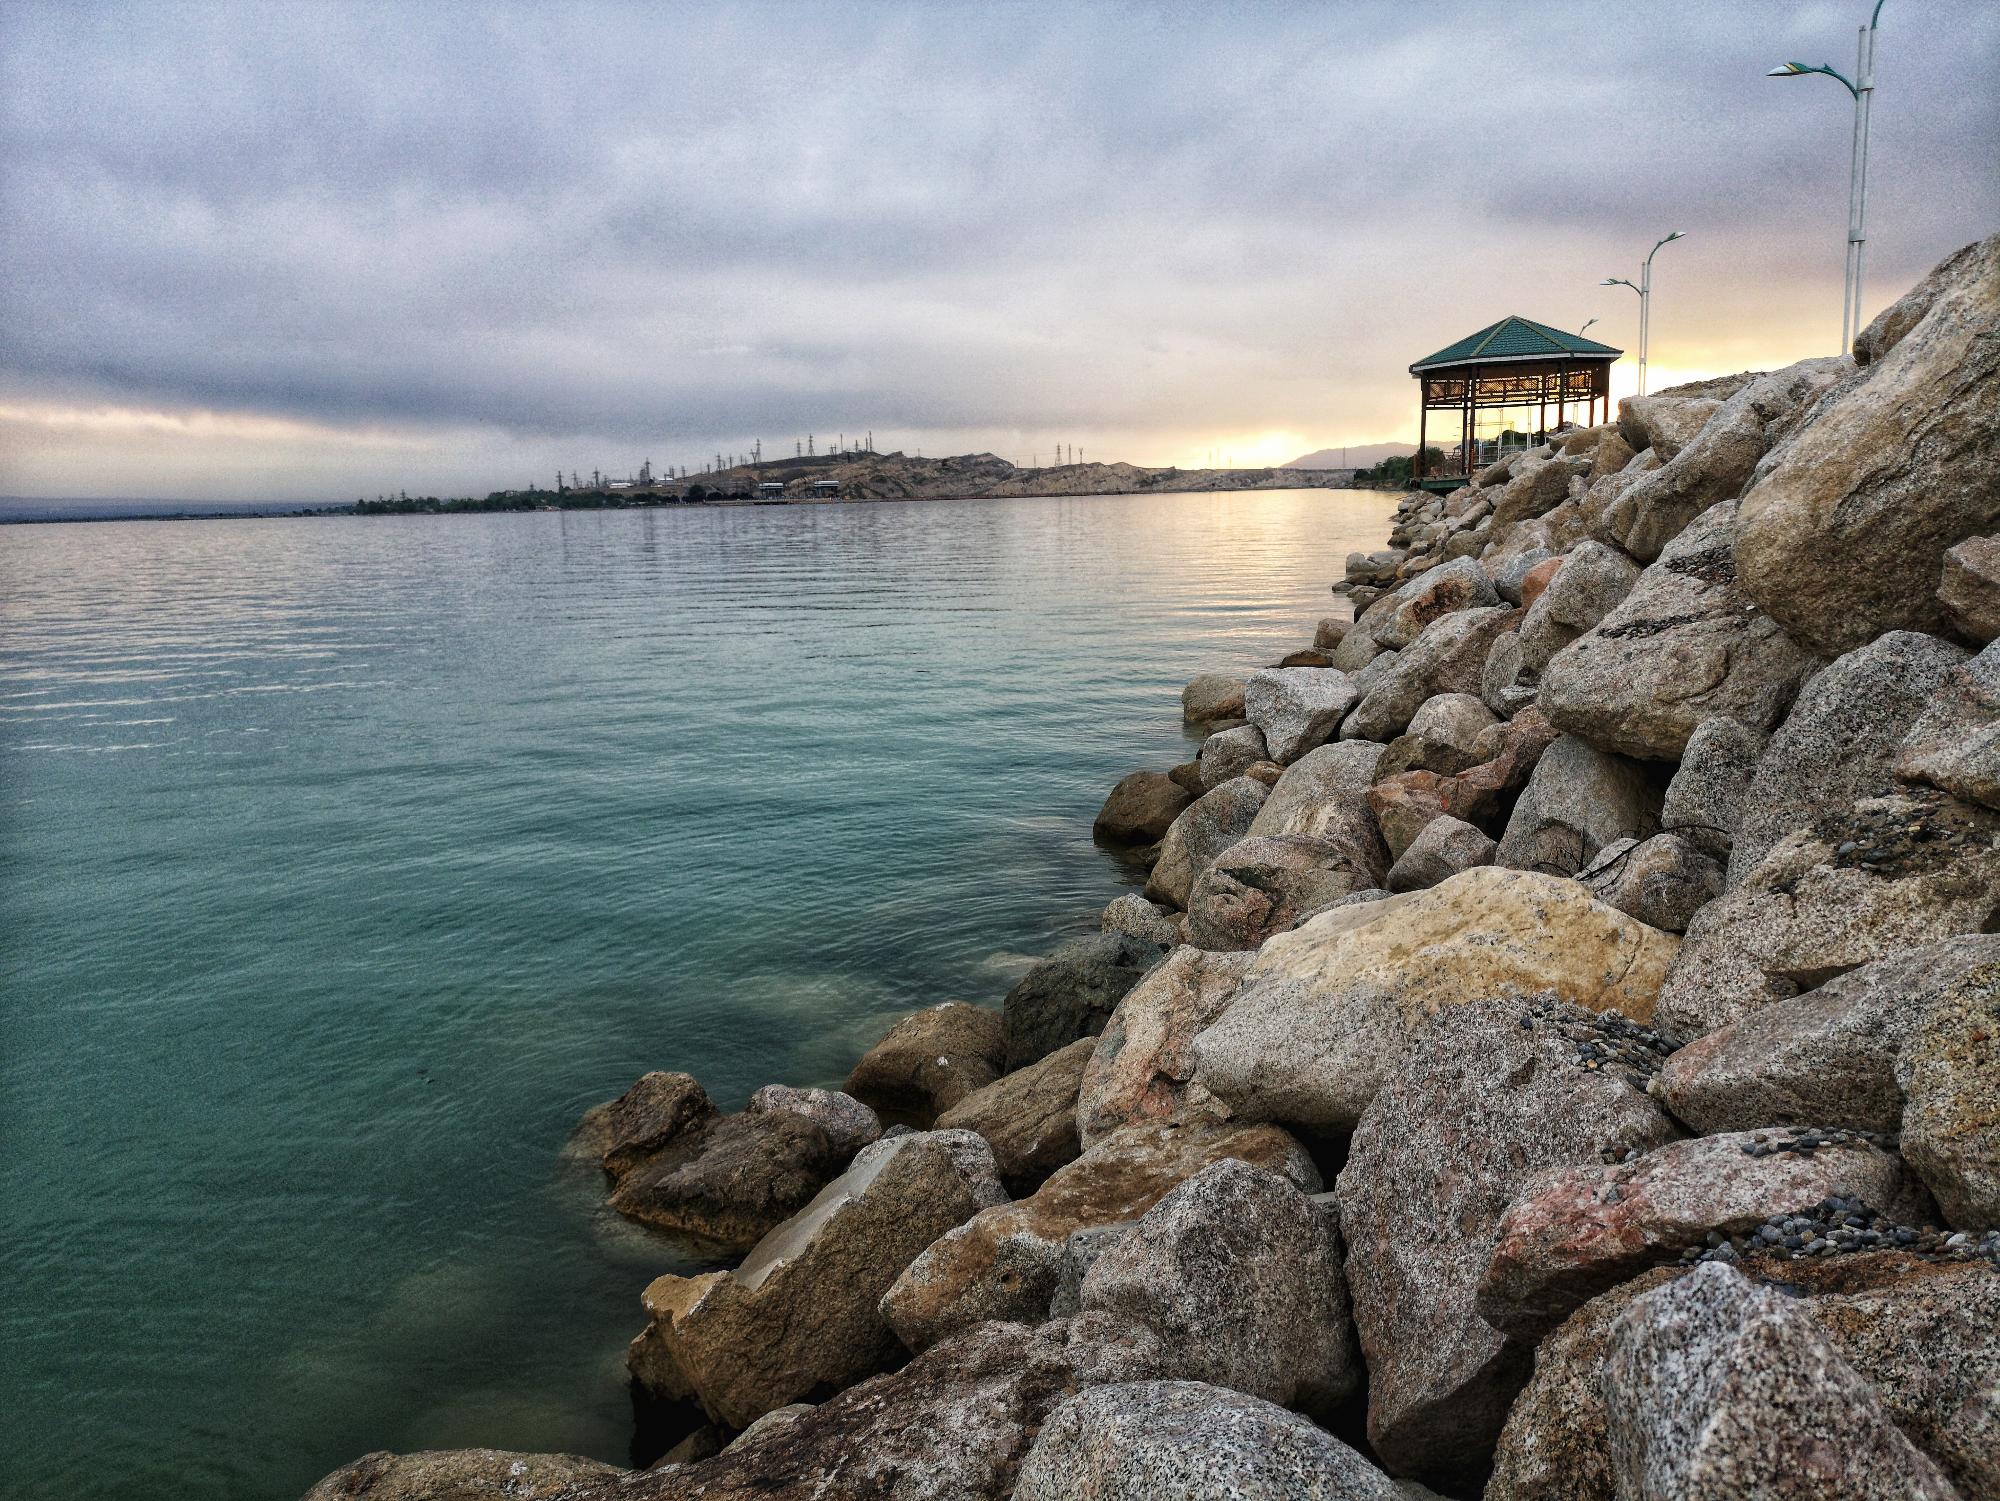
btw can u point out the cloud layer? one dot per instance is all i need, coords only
(448, 248)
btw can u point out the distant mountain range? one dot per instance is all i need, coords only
(1362, 456)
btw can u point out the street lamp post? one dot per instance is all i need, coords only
(1862, 87)
(1585, 329)
(1644, 287)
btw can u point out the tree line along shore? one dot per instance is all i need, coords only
(1555, 1054)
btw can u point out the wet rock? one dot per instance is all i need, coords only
(1297, 707)
(1714, 465)
(1142, 1070)
(1187, 776)
(1322, 794)
(1828, 1057)
(1140, 808)
(459, 1475)
(1071, 993)
(1663, 881)
(1448, 657)
(1885, 874)
(657, 1111)
(1578, 800)
(1133, 915)
(1955, 743)
(1591, 582)
(1329, 1011)
(1718, 1387)
(1684, 645)
(1443, 848)
(731, 1185)
(1260, 886)
(1949, 1074)
(1210, 696)
(1705, 800)
(1398, 619)
(955, 1422)
(1005, 1262)
(1028, 1117)
(1500, 1092)
(1186, 1441)
(799, 1315)
(1840, 741)
(1356, 650)
(1969, 588)
(1239, 1273)
(930, 1060)
(1583, 1229)
(1210, 825)
(1846, 526)
(1226, 754)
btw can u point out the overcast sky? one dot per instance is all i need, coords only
(311, 252)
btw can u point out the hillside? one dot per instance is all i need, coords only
(899, 476)
(1355, 456)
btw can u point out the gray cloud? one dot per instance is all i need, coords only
(694, 225)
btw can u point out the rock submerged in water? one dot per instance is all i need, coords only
(930, 1060)
(460, 1475)
(1071, 994)
(1141, 808)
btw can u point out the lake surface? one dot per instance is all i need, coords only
(344, 863)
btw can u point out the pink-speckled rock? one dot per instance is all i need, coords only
(1579, 1230)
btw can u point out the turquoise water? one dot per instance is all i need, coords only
(346, 862)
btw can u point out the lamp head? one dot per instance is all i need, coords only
(1788, 70)
(1678, 234)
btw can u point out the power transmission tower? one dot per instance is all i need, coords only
(809, 444)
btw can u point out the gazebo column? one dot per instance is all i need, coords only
(1423, 413)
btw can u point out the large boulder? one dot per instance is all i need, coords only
(1186, 1441)
(1955, 743)
(1212, 823)
(850, 1124)
(1714, 464)
(1448, 657)
(1684, 645)
(1949, 1073)
(1398, 619)
(954, 1423)
(1590, 584)
(1226, 754)
(1444, 736)
(1537, 485)
(1443, 848)
(1583, 1229)
(1072, 993)
(1260, 886)
(658, 1110)
(1142, 1070)
(459, 1475)
(1028, 1117)
(1329, 1012)
(1663, 881)
(800, 1314)
(1920, 1330)
(1840, 741)
(1969, 588)
(1005, 1262)
(1719, 1388)
(1885, 874)
(1140, 808)
(1664, 423)
(1297, 707)
(1322, 793)
(1578, 800)
(1706, 798)
(1847, 523)
(1239, 1273)
(733, 1183)
(1210, 696)
(1502, 1090)
(1828, 1057)
(1133, 915)
(930, 1060)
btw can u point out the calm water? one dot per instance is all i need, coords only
(345, 862)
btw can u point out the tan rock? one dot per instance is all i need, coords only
(1142, 1070)
(659, 1109)
(1004, 1263)
(930, 1060)
(734, 1182)
(1210, 696)
(800, 1313)
(1969, 589)
(459, 1475)
(1028, 1117)
(1140, 808)
(1327, 1011)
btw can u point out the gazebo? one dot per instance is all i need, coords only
(1513, 363)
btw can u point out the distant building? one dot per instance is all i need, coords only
(771, 489)
(619, 484)
(826, 489)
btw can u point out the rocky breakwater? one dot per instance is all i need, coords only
(1556, 1055)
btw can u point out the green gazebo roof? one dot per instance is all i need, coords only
(1516, 339)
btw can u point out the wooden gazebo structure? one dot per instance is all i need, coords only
(1513, 363)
